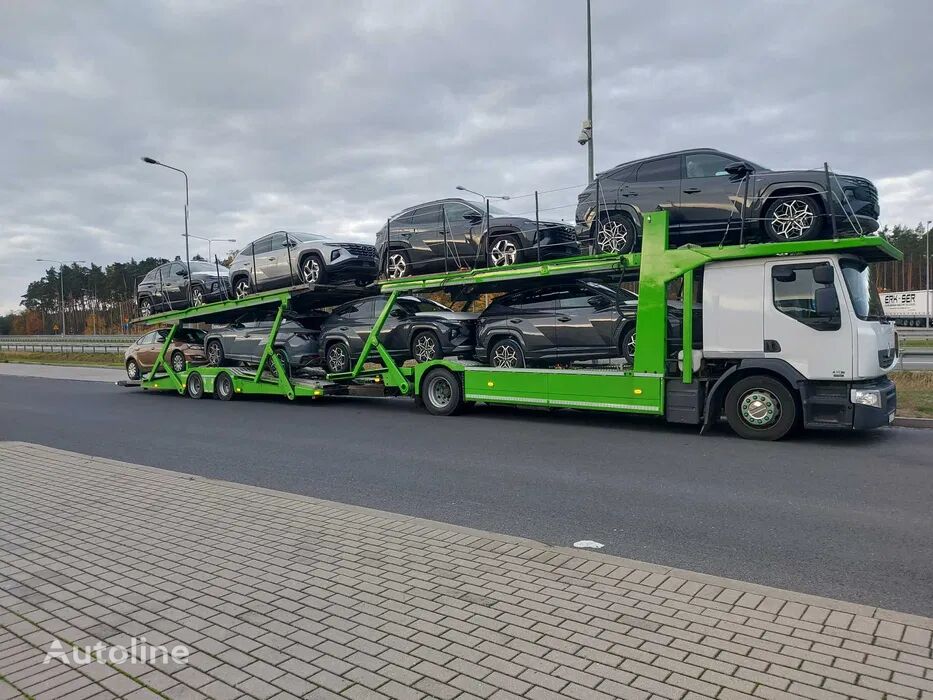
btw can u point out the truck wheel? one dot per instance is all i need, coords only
(760, 408)
(627, 346)
(223, 387)
(195, 386)
(442, 392)
(792, 218)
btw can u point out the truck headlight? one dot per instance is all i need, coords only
(866, 397)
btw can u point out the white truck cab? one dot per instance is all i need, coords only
(816, 321)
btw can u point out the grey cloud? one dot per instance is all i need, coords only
(331, 116)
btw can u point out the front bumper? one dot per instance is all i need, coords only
(830, 404)
(866, 417)
(365, 269)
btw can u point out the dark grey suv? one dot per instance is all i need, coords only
(296, 344)
(285, 258)
(703, 190)
(417, 328)
(165, 288)
(578, 320)
(450, 234)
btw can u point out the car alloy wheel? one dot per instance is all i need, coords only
(215, 353)
(197, 296)
(397, 266)
(311, 270)
(425, 347)
(612, 237)
(241, 288)
(792, 219)
(506, 355)
(283, 359)
(337, 358)
(178, 361)
(132, 369)
(145, 308)
(503, 252)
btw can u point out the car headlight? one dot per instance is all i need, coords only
(866, 397)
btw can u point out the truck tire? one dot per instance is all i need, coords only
(223, 387)
(442, 392)
(195, 386)
(760, 407)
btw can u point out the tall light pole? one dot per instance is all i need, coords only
(213, 240)
(929, 292)
(487, 197)
(153, 161)
(61, 279)
(589, 90)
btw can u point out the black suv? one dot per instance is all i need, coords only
(450, 234)
(165, 288)
(703, 189)
(578, 320)
(416, 328)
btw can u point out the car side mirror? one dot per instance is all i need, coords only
(824, 274)
(826, 303)
(598, 302)
(398, 313)
(739, 170)
(473, 218)
(182, 273)
(237, 326)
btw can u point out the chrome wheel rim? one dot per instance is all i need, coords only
(505, 356)
(337, 358)
(241, 289)
(132, 370)
(197, 297)
(503, 252)
(311, 270)
(283, 359)
(425, 348)
(791, 220)
(178, 362)
(441, 392)
(612, 237)
(760, 408)
(397, 267)
(214, 354)
(145, 309)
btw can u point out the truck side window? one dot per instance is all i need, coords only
(796, 292)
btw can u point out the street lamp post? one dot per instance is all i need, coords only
(61, 279)
(487, 197)
(213, 240)
(589, 90)
(153, 161)
(929, 292)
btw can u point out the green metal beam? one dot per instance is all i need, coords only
(194, 313)
(687, 328)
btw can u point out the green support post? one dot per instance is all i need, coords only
(651, 321)
(687, 326)
(267, 351)
(160, 360)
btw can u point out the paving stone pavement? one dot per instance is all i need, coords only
(279, 595)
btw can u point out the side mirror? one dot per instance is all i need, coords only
(182, 273)
(739, 170)
(473, 217)
(824, 274)
(826, 303)
(598, 302)
(398, 313)
(237, 325)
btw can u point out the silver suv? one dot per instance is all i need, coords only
(286, 258)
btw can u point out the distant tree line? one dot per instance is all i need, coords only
(101, 300)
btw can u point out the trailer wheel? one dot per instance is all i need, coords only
(223, 387)
(195, 386)
(442, 392)
(760, 408)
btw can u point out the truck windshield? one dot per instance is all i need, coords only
(860, 281)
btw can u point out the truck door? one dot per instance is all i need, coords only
(806, 319)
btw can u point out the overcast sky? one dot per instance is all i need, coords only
(330, 116)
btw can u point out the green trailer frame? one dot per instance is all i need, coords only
(638, 390)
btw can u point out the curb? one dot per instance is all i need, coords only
(909, 422)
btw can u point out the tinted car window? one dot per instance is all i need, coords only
(263, 245)
(347, 309)
(414, 306)
(707, 165)
(456, 213)
(542, 300)
(573, 297)
(175, 269)
(199, 266)
(662, 169)
(626, 173)
(189, 335)
(426, 217)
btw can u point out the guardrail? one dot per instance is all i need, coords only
(66, 346)
(68, 338)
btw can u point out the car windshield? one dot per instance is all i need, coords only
(414, 306)
(190, 335)
(299, 236)
(200, 266)
(863, 292)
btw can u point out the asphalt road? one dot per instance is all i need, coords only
(841, 515)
